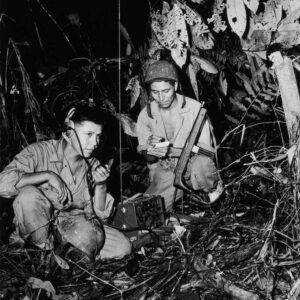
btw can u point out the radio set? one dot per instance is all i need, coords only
(139, 214)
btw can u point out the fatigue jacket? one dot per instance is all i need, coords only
(49, 156)
(184, 122)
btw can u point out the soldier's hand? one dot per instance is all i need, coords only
(153, 140)
(158, 152)
(100, 173)
(56, 184)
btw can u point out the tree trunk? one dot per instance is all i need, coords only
(289, 93)
(291, 104)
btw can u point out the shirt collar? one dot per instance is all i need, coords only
(58, 153)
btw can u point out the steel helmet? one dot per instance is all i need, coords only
(161, 70)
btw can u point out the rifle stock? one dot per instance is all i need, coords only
(179, 181)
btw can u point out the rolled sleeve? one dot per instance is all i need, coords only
(8, 182)
(24, 162)
(105, 214)
(143, 131)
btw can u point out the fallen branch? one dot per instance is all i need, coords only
(244, 253)
(210, 278)
(238, 292)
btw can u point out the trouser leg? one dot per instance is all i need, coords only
(33, 213)
(80, 230)
(162, 185)
(87, 235)
(202, 173)
(116, 244)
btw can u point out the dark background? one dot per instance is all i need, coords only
(99, 28)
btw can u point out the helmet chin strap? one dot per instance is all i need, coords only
(149, 113)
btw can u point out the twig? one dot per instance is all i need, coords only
(180, 242)
(96, 277)
(248, 127)
(56, 24)
(270, 228)
(286, 236)
(178, 281)
(133, 287)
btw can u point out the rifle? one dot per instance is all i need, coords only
(189, 147)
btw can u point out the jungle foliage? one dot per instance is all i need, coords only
(246, 247)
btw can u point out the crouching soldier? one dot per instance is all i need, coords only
(169, 117)
(59, 187)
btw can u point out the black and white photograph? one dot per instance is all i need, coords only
(149, 149)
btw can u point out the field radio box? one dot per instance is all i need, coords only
(140, 213)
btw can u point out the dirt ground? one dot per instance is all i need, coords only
(234, 249)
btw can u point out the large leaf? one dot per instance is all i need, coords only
(223, 85)
(128, 125)
(258, 38)
(289, 30)
(288, 35)
(202, 37)
(232, 119)
(193, 79)
(278, 12)
(247, 83)
(204, 64)
(252, 4)
(61, 262)
(291, 18)
(197, 1)
(269, 19)
(135, 89)
(236, 15)
(216, 18)
(272, 15)
(154, 48)
(295, 4)
(202, 41)
(37, 283)
(172, 33)
(191, 16)
(125, 34)
(166, 9)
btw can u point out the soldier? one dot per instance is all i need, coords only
(169, 117)
(58, 186)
